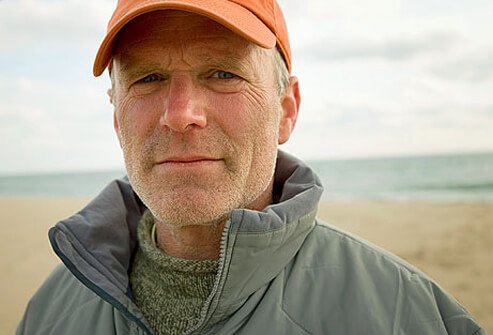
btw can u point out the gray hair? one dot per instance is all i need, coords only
(280, 69)
(281, 72)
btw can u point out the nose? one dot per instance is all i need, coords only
(184, 109)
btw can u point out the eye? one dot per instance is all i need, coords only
(150, 78)
(223, 75)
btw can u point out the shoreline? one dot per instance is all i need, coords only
(449, 241)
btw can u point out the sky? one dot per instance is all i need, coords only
(377, 78)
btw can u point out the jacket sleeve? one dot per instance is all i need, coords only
(44, 304)
(26, 322)
(21, 328)
(428, 304)
(61, 300)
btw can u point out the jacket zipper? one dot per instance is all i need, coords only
(206, 312)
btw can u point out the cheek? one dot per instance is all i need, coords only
(136, 117)
(249, 117)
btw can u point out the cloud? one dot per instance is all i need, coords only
(386, 79)
(348, 130)
(397, 48)
(329, 10)
(32, 22)
(474, 66)
(55, 126)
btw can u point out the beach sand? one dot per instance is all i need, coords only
(451, 242)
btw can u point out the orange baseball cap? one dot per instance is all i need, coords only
(259, 21)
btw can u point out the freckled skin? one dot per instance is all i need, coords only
(187, 86)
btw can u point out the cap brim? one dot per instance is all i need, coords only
(231, 15)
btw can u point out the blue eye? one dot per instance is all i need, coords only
(223, 75)
(150, 78)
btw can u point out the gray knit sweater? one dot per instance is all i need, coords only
(169, 291)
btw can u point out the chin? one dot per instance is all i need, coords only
(182, 216)
(182, 208)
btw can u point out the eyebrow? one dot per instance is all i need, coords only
(137, 69)
(233, 62)
(134, 68)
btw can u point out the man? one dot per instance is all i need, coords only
(220, 236)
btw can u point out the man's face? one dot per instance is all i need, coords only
(198, 116)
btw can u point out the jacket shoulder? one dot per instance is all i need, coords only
(364, 289)
(63, 304)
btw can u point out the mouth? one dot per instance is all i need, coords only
(177, 162)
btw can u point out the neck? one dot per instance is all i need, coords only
(190, 242)
(200, 241)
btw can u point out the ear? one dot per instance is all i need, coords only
(115, 119)
(290, 104)
(117, 128)
(110, 95)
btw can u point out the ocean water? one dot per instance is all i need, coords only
(59, 184)
(467, 177)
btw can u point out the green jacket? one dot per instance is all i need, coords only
(281, 272)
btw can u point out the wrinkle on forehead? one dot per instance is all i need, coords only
(176, 37)
(203, 47)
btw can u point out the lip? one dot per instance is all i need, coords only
(188, 160)
(183, 163)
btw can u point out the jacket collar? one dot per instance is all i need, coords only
(259, 245)
(98, 242)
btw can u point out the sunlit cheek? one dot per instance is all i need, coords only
(231, 113)
(264, 112)
(139, 116)
(251, 123)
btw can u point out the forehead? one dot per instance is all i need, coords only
(170, 28)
